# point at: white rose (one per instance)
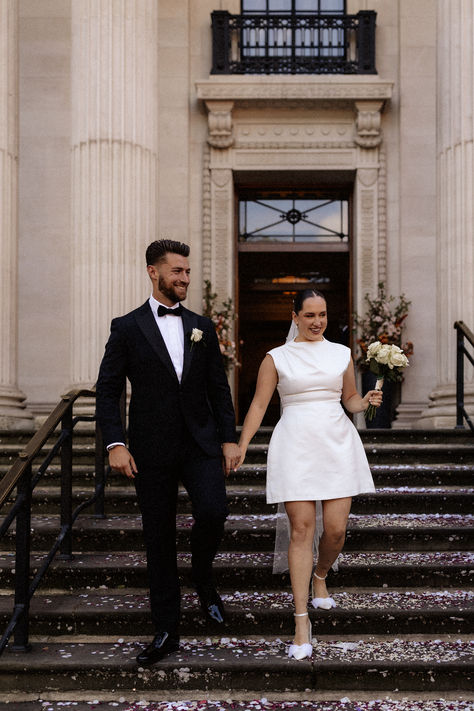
(196, 335)
(383, 355)
(373, 349)
(398, 359)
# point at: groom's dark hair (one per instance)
(301, 296)
(157, 250)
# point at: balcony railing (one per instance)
(293, 44)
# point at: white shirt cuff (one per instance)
(114, 444)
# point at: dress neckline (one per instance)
(323, 340)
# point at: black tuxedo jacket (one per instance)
(159, 403)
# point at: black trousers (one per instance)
(157, 490)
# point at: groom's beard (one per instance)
(170, 291)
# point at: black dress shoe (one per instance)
(162, 644)
(211, 604)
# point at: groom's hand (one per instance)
(122, 461)
(231, 455)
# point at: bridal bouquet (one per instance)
(383, 321)
(385, 361)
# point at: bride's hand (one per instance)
(243, 452)
(373, 397)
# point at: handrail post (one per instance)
(220, 41)
(66, 485)
(459, 379)
(366, 42)
(99, 475)
(22, 564)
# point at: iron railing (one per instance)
(293, 44)
(461, 352)
(21, 476)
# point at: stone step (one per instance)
(358, 611)
(251, 499)
(84, 435)
(432, 448)
(358, 663)
(403, 532)
(248, 701)
(393, 453)
(253, 570)
(413, 436)
(447, 474)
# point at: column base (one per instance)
(14, 415)
(408, 414)
(441, 412)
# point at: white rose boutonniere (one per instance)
(196, 336)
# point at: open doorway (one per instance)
(278, 254)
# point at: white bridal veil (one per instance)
(282, 533)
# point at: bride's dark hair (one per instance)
(301, 296)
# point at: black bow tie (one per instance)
(163, 311)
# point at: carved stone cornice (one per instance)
(293, 89)
(363, 94)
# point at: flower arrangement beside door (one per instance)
(383, 321)
(223, 320)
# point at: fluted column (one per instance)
(13, 414)
(114, 163)
(455, 215)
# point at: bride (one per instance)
(315, 452)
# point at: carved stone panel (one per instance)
(222, 237)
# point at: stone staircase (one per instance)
(404, 596)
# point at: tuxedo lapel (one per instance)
(189, 322)
(150, 330)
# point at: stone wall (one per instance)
(123, 138)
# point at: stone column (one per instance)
(455, 211)
(13, 414)
(114, 164)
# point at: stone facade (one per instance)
(124, 136)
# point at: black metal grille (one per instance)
(293, 44)
(293, 219)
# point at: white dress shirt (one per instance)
(171, 328)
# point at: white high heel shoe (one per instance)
(325, 603)
(301, 651)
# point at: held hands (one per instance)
(243, 453)
(373, 397)
(122, 461)
(231, 457)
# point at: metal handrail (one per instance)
(20, 475)
(462, 332)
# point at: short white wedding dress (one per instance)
(315, 452)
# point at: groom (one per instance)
(181, 428)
